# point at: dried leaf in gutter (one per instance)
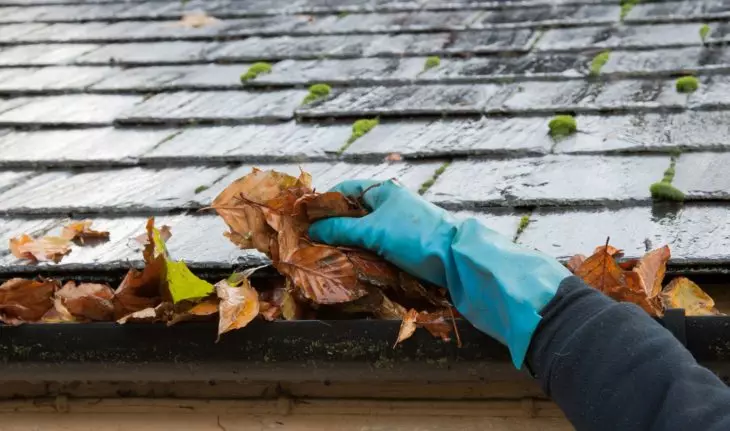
(139, 290)
(47, 248)
(81, 232)
(24, 300)
(58, 314)
(160, 313)
(88, 301)
(323, 274)
(683, 293)
(575, 262)
(238, 306)
(407, 326)
(601, 272)
(203, 309)
(611, 250)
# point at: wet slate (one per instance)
(407, 100)
(43, 54)
(633, 37)
(511, 137)
(654, 62)
(364, 71)
(8, 179)
(108, 191)
(82, 147)
(649, 132)
(695, 233)
(248, 143)
(144, 53)
(491, 41)
(549, 180)
(223, 106)
(85, 110)
(12, 227)
(48, 79)
(703, 175)
(541, 66)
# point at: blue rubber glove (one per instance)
(497, 285)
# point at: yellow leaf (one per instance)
(183, 284)
(683, 293)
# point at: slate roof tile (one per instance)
(114, 111)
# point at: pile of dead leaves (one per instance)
(271, 212)
(640, 281)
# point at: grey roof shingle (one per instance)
(115, 111)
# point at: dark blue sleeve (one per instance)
(609, 366)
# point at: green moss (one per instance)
(598, 61)
(704, 31)
(687, 84)
(524, 222)
(430, 182)
(255, 70)
(200, 189)
(562, 125)
(317, 91)
(431, 62)
(664, 191)
(359, 129)
(626, 6)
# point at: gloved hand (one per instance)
(497, 285)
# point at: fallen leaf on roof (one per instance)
(197, 19)
(683, 293)
(24, 300)
(81, 231)
(238, 305)
(90, 301)
(47, 248)
(575, 262)
(393, 157)
(165, 234)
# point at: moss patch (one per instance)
(255, 70)
(687, 84)
(704, 31)
(626, 6)
(359, 129)
(317, 91)
(598, 61)
(562, 126)
(429, 182)
(200, 189)
(664, 190)
(524, 222)
(431, 62)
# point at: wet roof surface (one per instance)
(114, 111)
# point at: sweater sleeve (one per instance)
(610, 366)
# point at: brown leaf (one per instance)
(237, 307)
(612, 251)
(58, 314)
(372, 269)
(651, 269)
(88, 300)
(160, 313)
(81, 231)
(330, 204)
(139, 290)
(165, 234)
(24, 300)
(435, 323)
(393, 157)
(601, 272)
(197, 19)
(377, 304)
(47, 248)
(407, 327)
(203, 309)
(575, 262)
(683, 293)
(323, 274)
(628, 265)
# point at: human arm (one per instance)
(609, 366)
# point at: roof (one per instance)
(113, 110)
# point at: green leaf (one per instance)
(181, 282)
